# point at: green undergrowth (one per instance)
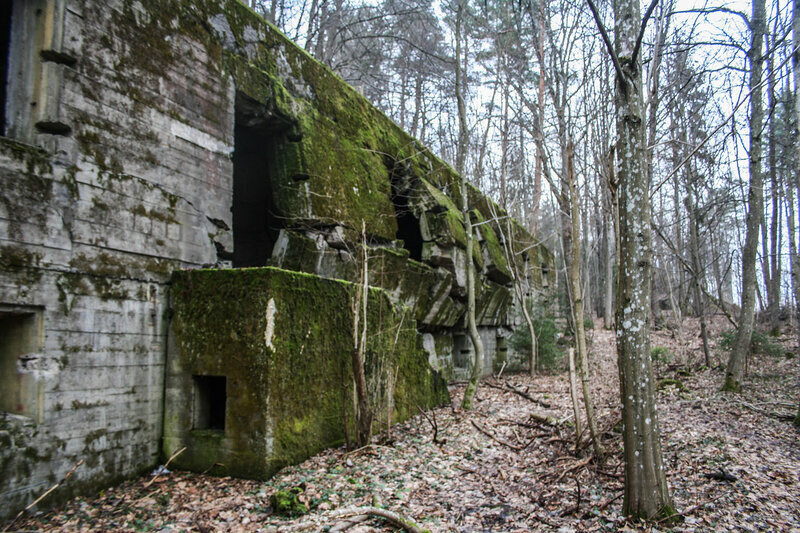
(760, 343)
(548, 353)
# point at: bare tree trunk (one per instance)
(741, 348)
(363, 410)
(611, 244)
(417, 105)
(573, 392)
(697, 274)
(519, 291)
(646, 493)
(463, 142)
(796, 166)
(577, 304)
(477, 343)
(463, 132)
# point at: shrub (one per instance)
(660, 354)
(588, 323)
(760, 343)
(548, 353)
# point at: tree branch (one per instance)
(638, 45)
(708, 11)
(721, 125)
(604, 35)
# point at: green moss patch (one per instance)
(283, 342)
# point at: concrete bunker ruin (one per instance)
(177, 238)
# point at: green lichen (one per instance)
(71, 183)
(155, 214)
(22, 262)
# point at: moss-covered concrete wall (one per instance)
(125, 173)
(283, 341)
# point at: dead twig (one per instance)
(577, 506)
(207, 470)
(365, 448)
(43, 496)
(432, 421)
(173, 456)
(610, 501)
(522, 424)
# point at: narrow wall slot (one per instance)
(5, 45)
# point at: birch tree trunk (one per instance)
(755, 200)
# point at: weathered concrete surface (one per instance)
(157, 122)
(283, 342)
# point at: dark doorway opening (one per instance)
(462, 351)
(210, 397)
(256, 224)
(5, 45)
(408, 229)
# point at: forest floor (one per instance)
(497, 468)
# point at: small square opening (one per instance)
(210, 398)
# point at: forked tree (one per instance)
(646, 493)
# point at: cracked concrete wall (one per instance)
(94, 216)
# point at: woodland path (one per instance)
(499, 469)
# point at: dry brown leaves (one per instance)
(498, 469)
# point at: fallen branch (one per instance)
(173, 456)
(576, 466)
(366, 448)
(501, 370)
(393, 518)
(43, 496)
(511, 388)
(610, 501)
(773, 414)
(523, 424)
(499, 441)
